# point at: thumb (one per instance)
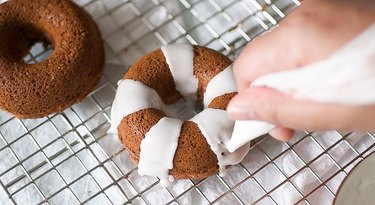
(265, 104)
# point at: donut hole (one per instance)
(38, 52)
(27, 43)
(38, 47)
(184, 109)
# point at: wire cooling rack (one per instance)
(67, 158)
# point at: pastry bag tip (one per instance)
(245, 131)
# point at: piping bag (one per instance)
(343, 78)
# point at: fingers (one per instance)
(282, 133)
(262, 56)
(278, 50)
(311, 33)
(274, 107)
(274, 51)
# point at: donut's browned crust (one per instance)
(66, 76)
(194, 157)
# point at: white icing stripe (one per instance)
(216, 127)
(158, 149)
(221, 84)
(132, 96)
(180, 60)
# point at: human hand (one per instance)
(311, 33)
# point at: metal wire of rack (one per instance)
(67, 158)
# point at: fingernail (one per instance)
(240, 110)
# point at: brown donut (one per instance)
(193, 157)
(66, 76)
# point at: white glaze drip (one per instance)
(180, 60)
(132, 96)
(221, 84)
(216, 127)
(158, 149)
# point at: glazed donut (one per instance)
(70, 72)
(164, 146)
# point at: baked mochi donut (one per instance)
(164, 146)
(70, 72)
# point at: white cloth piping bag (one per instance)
(343, 78)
